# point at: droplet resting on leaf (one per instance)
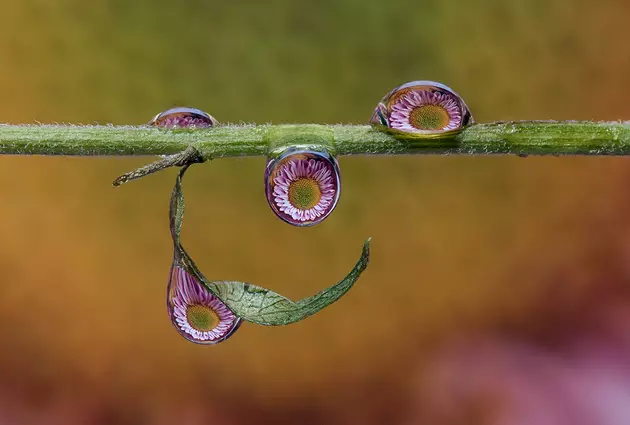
(182, 117)
(302, 186)
(196, 313)
(421, 109)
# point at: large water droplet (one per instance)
(196, 313)
(183, 117)
(421, 109)
(302, 186)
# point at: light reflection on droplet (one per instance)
(421, 109)
(197, 314)
(182, 117)
(302, 186)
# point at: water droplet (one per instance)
(183, 117)
(421, 109)
(302, 186)
(196, 313)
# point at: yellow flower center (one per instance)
(304, 193)
(429, 117)
(202, 318)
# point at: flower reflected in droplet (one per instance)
(182, 117)
(421, 109)
(198, 315)
(425, 111)
(303, 187)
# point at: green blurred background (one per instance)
(510, 250)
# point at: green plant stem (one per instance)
(521, 138)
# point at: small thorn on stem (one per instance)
(188, 156)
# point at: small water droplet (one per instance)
(302, 186)
(181, 117)
(196, 313)
(421, 109)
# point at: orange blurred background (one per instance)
(499, 288)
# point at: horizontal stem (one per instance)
(521, 138)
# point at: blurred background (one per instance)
(499, 288)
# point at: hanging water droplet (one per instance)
(421, 109)
(184, 117)
(302, 186)
(196, 313)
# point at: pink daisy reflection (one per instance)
(198, 315)
(305, 189)
(183, 117)
(185, 121)
(425, 111)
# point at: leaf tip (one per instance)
(365, 255)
